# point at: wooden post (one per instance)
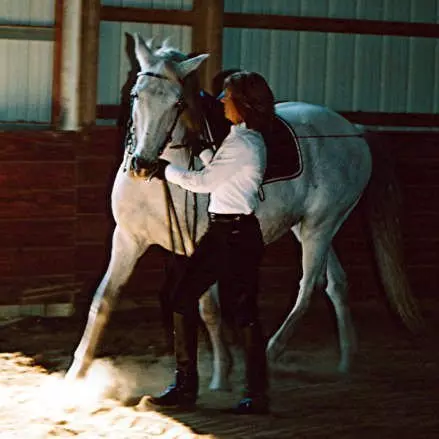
(57, 64)
(207, 37)
(80, 38)
(71, 34)
(89, 62)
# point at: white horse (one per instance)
(336, 170)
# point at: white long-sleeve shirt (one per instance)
(232, 176)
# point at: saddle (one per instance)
(284, 160)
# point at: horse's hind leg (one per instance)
(337, 292)
(315, 243)
(124, 254)
(222, 359)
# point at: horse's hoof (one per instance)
(273, 354)
(220, 385)
(344, 367)
(74, 373)
(71, 376)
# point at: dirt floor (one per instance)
(393, 392)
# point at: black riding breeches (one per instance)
(230, 252)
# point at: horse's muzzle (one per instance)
(140, 167)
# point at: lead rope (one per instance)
(169, 211)
(172, 215)
(210, 142)
(169, 201)
(193, 234)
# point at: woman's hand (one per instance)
(157, 170)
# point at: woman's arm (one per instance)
(228, 160)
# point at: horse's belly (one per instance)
(282, 207)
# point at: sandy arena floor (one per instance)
(393, 391)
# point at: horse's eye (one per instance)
(134, 96)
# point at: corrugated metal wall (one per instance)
(113, 62)
(26, 66)
(157, 4)
(345, 72)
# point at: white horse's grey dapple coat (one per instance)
(336, 170)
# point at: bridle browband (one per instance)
(154, 75)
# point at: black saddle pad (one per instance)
(284, 159)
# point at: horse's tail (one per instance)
(383, 203)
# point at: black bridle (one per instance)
(130, 146)
(130, 138)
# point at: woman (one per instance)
(231, 250)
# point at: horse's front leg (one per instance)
(124, 254)
(222, 359)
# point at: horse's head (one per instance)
(159, 97)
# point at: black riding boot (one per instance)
(255, 399)
(184, 391)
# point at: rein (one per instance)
(130, 136)
(172, 213)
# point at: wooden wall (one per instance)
(56, 224)
(37, 210)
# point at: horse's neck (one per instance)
(176, 153)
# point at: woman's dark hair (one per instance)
(217, 84)
(253, 99)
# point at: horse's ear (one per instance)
(191, 64)
(151, 43)
(166, 42)
(143, 53)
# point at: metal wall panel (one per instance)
(109, 62)
(361, 9)
(26, 82)
(35, 12)
(344, 71)
(26, 67)
(158, 4)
